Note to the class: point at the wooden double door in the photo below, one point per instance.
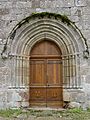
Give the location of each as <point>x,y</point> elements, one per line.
<point>46,80</point>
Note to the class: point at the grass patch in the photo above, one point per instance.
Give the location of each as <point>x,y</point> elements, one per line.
<point>10,112</point>
<point>69,114</point>
<point>75,110</point>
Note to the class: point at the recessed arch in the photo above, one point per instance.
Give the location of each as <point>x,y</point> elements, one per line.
<point>28,32</point>
<point>47,29</point>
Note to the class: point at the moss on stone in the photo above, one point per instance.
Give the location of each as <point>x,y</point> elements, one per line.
<point>63,18</point>
<point>42,15</point>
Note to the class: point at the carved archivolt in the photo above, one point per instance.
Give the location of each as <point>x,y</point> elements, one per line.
<point>49,26</point>
<point>33,29</point>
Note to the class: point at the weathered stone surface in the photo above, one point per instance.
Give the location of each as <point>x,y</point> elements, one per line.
<point>25,104</point>
<point>51,4</point>
<point>88,79</point>
<point>81,97</point>
<point>74,18</point>
<point>35,4</point>
<point>2,63</point>
<point>22,4</point>
<point>76,11</point>
<point>74,105</point>
<point>68,3</point>
<point>4,70</point>
<point>66,11</point>
<point>24,95</point>
<point>3,96</point>
<point>4,11</point>
<point>80,2</point>
<point>88,103</point>
<point>66,96</point>
<point>11,13</point>
<point>86,10</point>
<point>22,116</point>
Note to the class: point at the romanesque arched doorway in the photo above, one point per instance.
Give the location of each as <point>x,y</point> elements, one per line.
<point>20,46</point>
<point>46,75</point>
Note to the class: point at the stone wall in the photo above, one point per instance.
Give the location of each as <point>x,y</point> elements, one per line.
<point>13,11</point>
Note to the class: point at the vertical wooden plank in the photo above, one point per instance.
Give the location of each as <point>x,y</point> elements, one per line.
<point>37,88</point>
<point>54,88</point>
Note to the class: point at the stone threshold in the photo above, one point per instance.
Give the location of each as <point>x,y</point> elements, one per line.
<point>45,108</point>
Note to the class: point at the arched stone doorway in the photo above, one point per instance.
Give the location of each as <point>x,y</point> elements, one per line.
<point>28,34</point>
<point>46,75</point>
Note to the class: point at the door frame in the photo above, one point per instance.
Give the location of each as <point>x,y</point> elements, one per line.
<point>45,58</point>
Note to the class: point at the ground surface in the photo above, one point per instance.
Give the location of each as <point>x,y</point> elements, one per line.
<point>73,114</point>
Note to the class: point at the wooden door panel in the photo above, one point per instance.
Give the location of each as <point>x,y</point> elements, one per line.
<point>38,97</point>
<point>54,83</point>
<point>45,48</point>
<point>37,83</point>
<point>38,94</point>
<point>54,94</point>
<point>37,72</point>
<point>46,75</point>
<point>54,71</point>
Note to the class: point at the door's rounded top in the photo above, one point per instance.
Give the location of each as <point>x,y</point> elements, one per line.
<point>44,48</point>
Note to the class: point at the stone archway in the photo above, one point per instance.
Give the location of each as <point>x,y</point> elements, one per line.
<point>35,28</point>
